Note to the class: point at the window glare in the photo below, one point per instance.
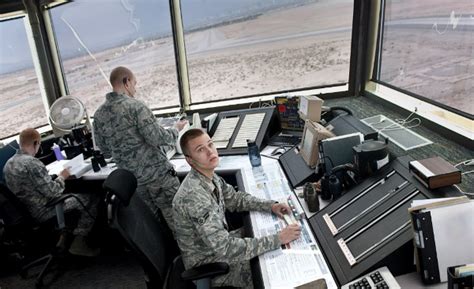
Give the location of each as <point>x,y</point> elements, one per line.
<point>428,50</point>
<point>21,104</point>
<point>247,47</point>
<point>96,36</point>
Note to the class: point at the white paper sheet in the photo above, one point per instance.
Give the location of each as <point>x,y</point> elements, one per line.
<point>301,261</point>
<point>249,129</point>
<point>224,131</point>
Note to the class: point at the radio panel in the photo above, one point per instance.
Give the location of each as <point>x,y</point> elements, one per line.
<point>369,226</point>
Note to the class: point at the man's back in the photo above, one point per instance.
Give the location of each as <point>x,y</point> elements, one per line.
<point>127,130</point>
<point>28,179</point>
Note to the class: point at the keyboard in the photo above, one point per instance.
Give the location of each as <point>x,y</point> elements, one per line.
<point>381,278</point>
<point>282,140</point>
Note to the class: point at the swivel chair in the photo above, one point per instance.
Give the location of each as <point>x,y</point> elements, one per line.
<point>21,230</point>
<point>146,235</point>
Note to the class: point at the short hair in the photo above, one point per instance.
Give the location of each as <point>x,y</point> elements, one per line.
<point>189,136</point>
<point>119,75</point>
<point>29,136</point>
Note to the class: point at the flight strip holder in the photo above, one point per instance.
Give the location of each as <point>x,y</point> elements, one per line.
<point>238,131</point>
<point>369,226</point>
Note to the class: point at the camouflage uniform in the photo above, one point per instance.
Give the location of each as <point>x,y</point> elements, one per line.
<point>127,130</point>
<point>202,231</point>
<point>28,178</point>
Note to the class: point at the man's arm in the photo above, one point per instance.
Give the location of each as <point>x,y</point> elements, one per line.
<point>222,244</point>
<point>43,182</point>
<point>242,201</point>
<point>153,133</point>
<point>100,140</point>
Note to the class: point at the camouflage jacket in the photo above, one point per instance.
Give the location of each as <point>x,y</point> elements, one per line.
<point>127,130</point>
<point>28,178</point>
<point>201,228</point>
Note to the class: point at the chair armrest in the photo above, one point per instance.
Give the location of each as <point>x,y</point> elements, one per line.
<point>205,271</point>
<point>58,200</point>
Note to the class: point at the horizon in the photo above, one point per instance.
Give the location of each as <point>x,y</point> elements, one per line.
<point>149,26</point>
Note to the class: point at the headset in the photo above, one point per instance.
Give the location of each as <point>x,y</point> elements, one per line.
<point>340,179</point>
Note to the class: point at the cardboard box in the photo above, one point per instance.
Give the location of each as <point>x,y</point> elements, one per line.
<point>310,107</point>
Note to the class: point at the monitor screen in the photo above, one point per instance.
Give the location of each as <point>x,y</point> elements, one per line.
<point>287,107</point>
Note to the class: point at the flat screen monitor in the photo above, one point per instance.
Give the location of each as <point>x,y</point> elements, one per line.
<point>337,150</point>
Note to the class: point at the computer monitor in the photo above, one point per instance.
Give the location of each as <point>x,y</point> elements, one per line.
<point>337,150</point>
<point>313,133</point>
<point>287,107</point>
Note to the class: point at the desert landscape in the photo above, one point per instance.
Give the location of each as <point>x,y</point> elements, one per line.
<point>274,51</point>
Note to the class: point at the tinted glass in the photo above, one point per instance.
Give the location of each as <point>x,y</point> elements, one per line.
<point>247,47</point>
<point>96,36</point>
<point>427,49</point>
<point>21,105</point>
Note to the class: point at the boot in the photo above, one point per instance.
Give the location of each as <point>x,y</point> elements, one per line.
<point>79,247</point>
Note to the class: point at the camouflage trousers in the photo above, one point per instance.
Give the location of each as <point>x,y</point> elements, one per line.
<point>240,274</point>
<point>158,195</point>
<point>85,222</point>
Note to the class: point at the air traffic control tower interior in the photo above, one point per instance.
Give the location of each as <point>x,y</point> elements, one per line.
<point>361,111</point>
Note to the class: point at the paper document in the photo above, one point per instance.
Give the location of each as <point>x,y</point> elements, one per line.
<point>77,167</point>
<point>297,263</point>
<point>249,129</point>
<point>224,131</point>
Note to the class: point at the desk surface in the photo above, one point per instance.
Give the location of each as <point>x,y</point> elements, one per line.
<point>299,263</point>
<point>303,262</point>
<point>87,173</point>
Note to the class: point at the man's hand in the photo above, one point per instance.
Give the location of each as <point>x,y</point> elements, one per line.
<point>279,209</point>
<point>65,173</point>
<point>180,124</point>
<point>290,233</point>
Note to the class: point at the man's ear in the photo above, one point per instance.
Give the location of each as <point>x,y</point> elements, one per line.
<point>189,159</point>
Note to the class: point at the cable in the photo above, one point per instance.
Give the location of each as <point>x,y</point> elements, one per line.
<point>465,163</point>
<point>403,123</point>
<point>349,112</point>
<point>270,157</point>
<point>468,172</point>
<point>332,163</point>
<point>462,192</point>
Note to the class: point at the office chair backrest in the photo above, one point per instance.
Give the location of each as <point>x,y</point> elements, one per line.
<point>13,213</point>
<point>137,225</point>
<point>6,153</point>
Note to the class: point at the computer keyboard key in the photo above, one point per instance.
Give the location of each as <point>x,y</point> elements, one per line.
<point>381,278</point>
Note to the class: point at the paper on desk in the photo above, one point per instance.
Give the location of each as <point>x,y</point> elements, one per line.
<point>77,167</point>
<point>301,261</point>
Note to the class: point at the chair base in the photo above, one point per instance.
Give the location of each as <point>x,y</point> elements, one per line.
<point>39,279</point>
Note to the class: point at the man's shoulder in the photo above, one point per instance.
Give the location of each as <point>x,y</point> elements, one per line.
<point>189,190</point>
<point>22,163</point>
<point>21,159</point>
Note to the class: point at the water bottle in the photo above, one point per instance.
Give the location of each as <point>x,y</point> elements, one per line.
<point>57,152</point>
<point>254,154</point>
<point>311,197</point>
